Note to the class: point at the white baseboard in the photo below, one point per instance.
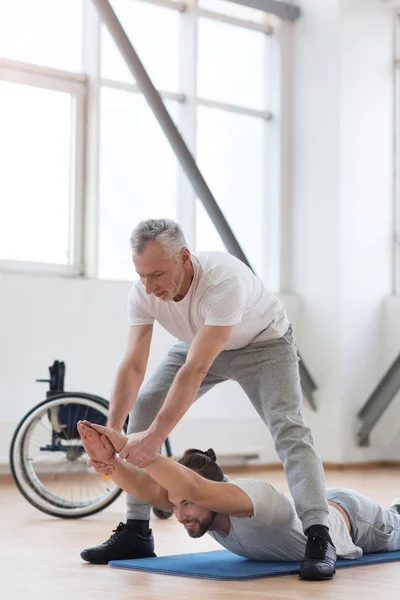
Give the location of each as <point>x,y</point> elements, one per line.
<point>7,429</point>
<point>231,439</point>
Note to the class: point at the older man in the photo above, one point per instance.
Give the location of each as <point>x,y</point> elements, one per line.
<point>229,326</point>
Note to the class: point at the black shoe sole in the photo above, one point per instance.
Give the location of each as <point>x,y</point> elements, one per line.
<point>94,562</point>
<point>99,561</point>
<point>313,576</point>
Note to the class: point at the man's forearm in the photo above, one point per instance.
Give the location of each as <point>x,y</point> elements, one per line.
<point>124,395</point>
<point>175,478</point>
<point>179,398</point>
<point>136,482</point>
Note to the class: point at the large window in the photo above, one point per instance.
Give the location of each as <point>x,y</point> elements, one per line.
<point>83,157</point>
<point>41,142</point>
<point>211,65</point>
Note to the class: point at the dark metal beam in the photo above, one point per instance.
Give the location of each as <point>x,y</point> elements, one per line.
<point>284,10</point>
<point>308,384</point>
<point>378,402</point>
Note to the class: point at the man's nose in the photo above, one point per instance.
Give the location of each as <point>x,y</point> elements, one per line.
<point>179,514</point>
<point>149,287</point>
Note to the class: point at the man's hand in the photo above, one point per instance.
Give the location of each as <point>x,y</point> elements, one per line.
<point>96,445</point>
<point>100,467</point>
<point>117,439</point>
<point>141,449</point>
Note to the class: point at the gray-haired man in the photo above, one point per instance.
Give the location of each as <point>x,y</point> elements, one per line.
<point>229,327</point>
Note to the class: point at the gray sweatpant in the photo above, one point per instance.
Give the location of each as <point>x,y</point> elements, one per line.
<point>373,528</point>
<point>268,373</point>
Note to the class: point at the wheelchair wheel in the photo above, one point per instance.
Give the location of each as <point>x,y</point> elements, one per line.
<point>48,462</point>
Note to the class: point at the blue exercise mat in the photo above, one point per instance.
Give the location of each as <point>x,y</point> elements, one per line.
<point>222,564</point>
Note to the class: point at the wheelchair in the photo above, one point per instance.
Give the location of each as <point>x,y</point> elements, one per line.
<point>48,462</point>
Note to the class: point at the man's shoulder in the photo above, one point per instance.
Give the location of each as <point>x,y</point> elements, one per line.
<point>258,488</point>
<point>216,267</point>
<point>270,504</point>
<point>249,481</point>
<point>212,258</point>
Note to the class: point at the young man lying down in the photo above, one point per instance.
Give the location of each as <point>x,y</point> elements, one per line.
<point>249,517</point>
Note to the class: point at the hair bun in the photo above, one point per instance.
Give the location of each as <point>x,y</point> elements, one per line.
<point>202,462</point>
<point>209,453</point>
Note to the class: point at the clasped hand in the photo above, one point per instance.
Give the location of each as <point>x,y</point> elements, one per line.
<point>139,449</point>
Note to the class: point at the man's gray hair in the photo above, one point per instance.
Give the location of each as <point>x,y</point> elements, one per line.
<point>165,231</point>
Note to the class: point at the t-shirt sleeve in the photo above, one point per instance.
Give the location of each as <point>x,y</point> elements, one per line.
<point>269,504</point>
<point>224,303</point>
<point>138,313</point>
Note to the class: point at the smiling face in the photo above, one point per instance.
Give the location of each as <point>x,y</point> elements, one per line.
<point>162,275</point>
<point>196,520</point>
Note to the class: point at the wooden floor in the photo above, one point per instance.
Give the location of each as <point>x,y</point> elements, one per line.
<point>39,556</point>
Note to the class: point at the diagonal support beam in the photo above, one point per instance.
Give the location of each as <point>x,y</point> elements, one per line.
<point>378,402</point>
<point>308,384</point>
<point>181,150</point>
<point>284,10</point>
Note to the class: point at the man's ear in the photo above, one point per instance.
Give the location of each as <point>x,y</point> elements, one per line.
<point>185,256</point>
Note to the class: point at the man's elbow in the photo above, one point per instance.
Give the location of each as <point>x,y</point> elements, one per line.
<point>131,368</point>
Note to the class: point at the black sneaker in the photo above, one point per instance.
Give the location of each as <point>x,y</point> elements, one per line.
<point>319,560</point>
<point>124,543</point>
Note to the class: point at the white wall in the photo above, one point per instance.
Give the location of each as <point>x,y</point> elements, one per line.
<point>366,205</point>
<point>315,192</point>
<point>387,429</point>
<point>343,202</point>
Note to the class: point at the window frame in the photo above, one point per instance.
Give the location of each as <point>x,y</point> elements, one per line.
<point>74,84</point>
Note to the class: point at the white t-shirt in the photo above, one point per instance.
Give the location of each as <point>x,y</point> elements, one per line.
<point>224,291</point>
<point>275,532</point>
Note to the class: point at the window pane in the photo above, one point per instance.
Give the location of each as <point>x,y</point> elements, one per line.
<point>138,177</point>
<point>231,151</point>
<point>154,32</point>
<point>234,10</point>
<point>241,56</point>
<point>44,32</point>
<point>35,154</point>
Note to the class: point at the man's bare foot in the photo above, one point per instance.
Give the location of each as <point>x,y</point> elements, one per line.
<point>96,445</point>
<point>118,440</point>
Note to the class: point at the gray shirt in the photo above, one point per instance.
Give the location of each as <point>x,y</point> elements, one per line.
<point>274,532</point>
